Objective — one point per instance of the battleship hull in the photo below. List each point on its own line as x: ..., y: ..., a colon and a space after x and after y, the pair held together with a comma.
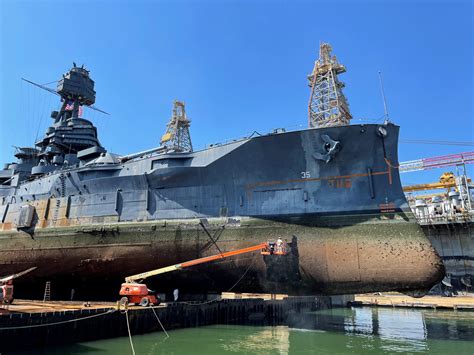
x: 333, y: 193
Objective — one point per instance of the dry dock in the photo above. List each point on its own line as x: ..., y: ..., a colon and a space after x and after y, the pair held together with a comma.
x: 54, y: 323
x: 400, y: 300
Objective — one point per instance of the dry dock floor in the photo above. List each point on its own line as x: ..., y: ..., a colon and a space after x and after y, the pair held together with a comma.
x: 400, y: 300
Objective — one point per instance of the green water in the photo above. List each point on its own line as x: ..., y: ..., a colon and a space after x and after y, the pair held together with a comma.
x: 337, y: 331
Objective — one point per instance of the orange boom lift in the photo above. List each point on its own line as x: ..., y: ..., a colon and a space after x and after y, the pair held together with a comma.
x: 6, y: 286
x: 135, y: 292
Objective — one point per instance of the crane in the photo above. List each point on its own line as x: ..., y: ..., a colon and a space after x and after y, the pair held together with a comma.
x: 133, y: 290
x: 327, y: 105
x: 177, y: 135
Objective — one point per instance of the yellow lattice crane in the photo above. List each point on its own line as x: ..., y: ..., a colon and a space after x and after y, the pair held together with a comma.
x: 327, y: 104
x: 177, y: 135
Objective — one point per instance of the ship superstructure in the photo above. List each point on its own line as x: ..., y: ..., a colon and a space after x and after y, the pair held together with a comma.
x: 332, y: 193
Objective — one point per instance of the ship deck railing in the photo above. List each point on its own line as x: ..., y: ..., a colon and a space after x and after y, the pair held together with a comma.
x: 446, y: 218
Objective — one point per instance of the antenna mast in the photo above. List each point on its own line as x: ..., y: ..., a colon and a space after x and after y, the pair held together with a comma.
x: 177, y: 135
x: 383, y: 97
x: 327, y: 104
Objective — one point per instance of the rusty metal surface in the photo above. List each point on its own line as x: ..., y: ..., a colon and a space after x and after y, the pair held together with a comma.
x: 322, y: 260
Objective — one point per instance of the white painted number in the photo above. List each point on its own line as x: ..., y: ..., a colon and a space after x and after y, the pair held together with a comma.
x: 305, y: 175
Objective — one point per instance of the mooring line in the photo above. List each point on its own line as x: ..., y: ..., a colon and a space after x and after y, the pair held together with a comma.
x: 56, y: 323
x: 129, y: 333
x: 158, y: 319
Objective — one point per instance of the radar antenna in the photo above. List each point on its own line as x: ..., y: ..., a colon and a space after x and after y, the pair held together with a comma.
x: 327, y: 104
x: 177, y: 135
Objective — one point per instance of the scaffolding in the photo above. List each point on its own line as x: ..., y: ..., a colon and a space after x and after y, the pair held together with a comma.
x: 177, y: 137
x: 327, y: 104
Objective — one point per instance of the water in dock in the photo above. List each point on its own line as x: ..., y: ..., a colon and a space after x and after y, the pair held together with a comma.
x: 335, y: 331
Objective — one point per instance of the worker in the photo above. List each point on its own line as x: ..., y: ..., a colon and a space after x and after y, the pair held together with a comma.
x: 73, y: 291
x: 279, y: 245
x: 175, y: 294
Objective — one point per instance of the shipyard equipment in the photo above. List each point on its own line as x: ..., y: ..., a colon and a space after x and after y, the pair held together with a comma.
x: 327, y: 106
x: 446, y: 181
x: 134, y: 291
x: 177, y: 137
x: 459, y: 181
x: 447, y: 216
x: 443, y: 161
x: 6, y: 286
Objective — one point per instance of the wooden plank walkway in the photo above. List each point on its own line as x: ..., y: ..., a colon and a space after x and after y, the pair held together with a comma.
x: 35, y: 306
x: 400, y: 300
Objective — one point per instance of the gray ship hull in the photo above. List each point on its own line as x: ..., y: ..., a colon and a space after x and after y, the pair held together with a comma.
x: 342, y: 211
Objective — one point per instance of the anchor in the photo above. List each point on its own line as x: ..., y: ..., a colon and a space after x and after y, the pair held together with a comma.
x: 331, y: 147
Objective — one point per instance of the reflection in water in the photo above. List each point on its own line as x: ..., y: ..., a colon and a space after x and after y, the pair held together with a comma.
x: 268, y: 340
x: 395, y: 335
x: 409, y: 335
x: 336, y: 331
x: 390, y: 330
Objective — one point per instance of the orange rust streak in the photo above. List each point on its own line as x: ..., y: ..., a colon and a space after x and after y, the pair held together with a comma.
x: 223, y: 255
x: 281, y: 182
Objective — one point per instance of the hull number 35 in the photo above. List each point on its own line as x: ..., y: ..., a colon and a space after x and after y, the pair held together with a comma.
x: 305, y: 175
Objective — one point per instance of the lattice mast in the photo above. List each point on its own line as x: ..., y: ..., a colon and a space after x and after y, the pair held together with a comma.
x: 177, y: 135
x: 327, y: 104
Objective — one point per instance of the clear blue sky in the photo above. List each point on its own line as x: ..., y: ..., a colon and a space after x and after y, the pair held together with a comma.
x: 240, y: 66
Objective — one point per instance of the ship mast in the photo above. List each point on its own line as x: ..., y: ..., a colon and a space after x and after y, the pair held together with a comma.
x: 327, y: 104
x: 177, y: 135
x: 70, y: 139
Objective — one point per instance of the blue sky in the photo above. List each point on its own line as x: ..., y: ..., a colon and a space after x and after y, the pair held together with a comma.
x: 240, y: 66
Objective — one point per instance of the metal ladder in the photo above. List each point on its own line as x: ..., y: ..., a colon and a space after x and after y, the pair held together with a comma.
x: 47, y: 292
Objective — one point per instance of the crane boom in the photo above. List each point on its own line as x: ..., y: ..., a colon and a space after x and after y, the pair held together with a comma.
x: 14, y: 276
x: 144, y: 275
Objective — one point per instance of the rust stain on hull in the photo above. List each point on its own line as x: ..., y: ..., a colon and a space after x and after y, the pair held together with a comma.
x: 364, y: 257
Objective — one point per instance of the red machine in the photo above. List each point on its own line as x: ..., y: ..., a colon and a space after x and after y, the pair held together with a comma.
x: 6, y: 286
x: 135, y: 292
